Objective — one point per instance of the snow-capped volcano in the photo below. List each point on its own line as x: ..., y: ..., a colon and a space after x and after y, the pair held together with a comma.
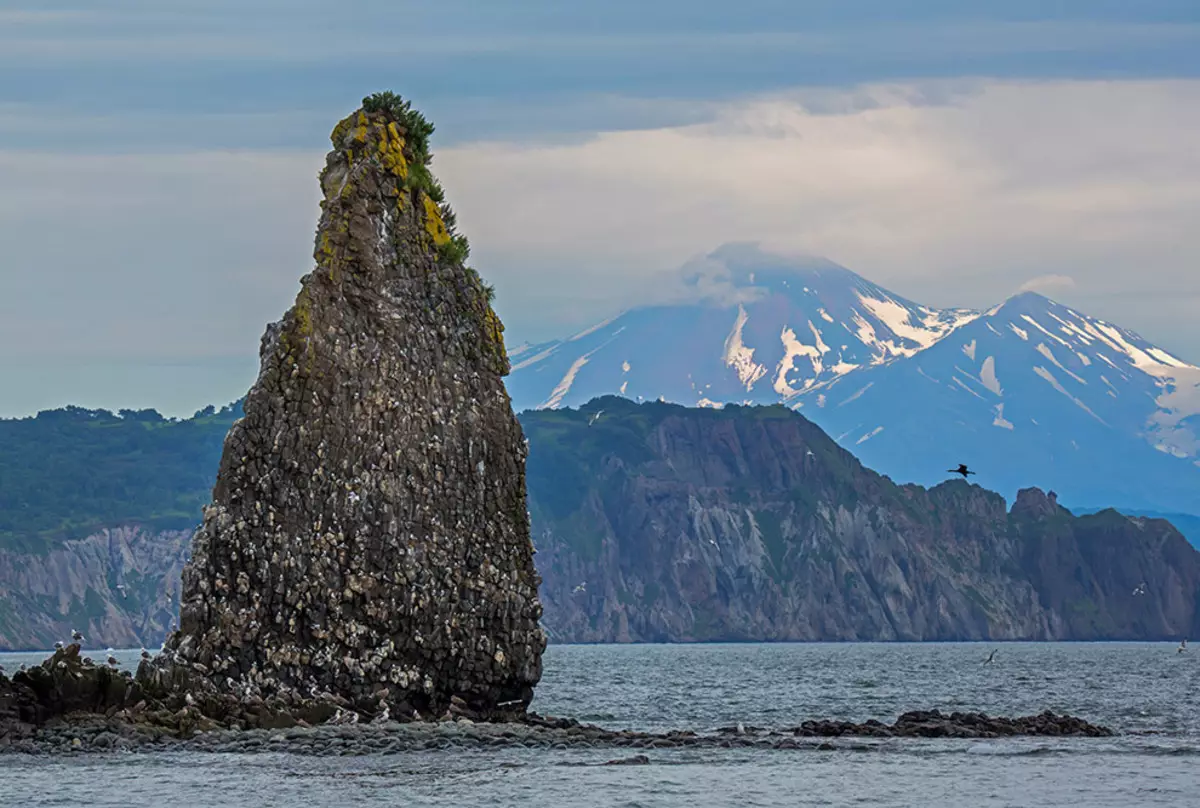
x: 764, y: 331
x: 1032, y: 392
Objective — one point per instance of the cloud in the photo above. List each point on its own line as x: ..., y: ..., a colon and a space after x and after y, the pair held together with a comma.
x: 171, y: 251
x: 943, y: 202
x: 1048, y: 284
x: 537, y: 68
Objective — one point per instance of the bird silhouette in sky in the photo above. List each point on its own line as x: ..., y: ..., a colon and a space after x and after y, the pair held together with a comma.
x: 962, y: 469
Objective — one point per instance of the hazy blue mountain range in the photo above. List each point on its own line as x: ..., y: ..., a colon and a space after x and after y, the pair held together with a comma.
x: 1030, y: 392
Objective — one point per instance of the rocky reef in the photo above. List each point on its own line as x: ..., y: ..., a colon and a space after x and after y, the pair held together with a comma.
x: 368, y: 539
x: 69, y: 704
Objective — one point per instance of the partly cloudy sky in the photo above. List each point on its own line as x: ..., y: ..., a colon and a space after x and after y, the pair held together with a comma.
x: 158, y: 161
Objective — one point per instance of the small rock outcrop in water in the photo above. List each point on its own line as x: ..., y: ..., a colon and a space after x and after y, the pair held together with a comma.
x: 368, y: 537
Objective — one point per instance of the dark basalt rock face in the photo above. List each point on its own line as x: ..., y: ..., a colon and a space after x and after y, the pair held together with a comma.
x: 368, y: 537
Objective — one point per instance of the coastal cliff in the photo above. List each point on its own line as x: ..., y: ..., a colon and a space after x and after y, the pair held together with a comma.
x: 118, y: 586
x: 656, y: 523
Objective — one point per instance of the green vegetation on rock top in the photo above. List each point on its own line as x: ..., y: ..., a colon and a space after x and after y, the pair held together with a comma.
x: 417, y: 131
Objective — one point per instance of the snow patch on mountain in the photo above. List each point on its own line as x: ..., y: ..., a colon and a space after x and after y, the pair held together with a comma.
x: 1000, y: 420
x: 564, y: 386
x: 1048, y: 376
x: 1039, y: 327
x: 793, y: 349
x: 738, y: 356
x: 592, y: 330
x: 869, y: 435
x: 1049, y: 354
x: 987, y: 376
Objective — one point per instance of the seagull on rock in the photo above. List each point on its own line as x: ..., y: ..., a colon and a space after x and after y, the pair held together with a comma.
x: 112, y: 661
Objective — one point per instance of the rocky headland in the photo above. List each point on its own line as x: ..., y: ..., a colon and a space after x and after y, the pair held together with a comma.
x: 660, y: 523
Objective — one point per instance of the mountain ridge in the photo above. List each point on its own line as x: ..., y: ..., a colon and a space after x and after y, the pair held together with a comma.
x: 1027, y: 384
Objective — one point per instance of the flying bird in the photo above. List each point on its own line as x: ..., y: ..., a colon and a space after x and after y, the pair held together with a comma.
x: 1182, y: 647
x: 76, y: 636
x: 962, y: 469
x: 1141, y: 589
x: 991, y: 656
x: 595, y: 417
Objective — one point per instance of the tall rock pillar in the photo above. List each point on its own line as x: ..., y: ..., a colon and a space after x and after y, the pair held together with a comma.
x: 368, y: 536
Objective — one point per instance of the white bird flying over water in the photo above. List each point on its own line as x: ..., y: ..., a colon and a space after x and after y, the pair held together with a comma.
x: 1182, y: 646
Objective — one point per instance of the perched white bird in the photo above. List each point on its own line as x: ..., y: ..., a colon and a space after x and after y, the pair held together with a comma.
x: 112, y: 660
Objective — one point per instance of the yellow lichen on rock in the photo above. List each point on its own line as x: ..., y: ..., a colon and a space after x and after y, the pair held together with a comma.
x: 391, y: 151
x: 338, y: 135
x: 360, y: 130
x: 304, y: 323
x: 433, y: 222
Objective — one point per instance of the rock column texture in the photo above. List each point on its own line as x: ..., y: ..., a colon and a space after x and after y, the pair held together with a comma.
x: 368, y: 536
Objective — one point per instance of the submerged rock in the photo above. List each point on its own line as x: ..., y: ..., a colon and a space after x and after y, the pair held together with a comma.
x: 368, y: 539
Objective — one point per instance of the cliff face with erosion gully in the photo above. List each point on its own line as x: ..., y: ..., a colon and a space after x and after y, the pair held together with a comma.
x: 368, y: 538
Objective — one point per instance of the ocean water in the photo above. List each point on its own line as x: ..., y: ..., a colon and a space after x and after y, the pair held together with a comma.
x: 1147, y: 692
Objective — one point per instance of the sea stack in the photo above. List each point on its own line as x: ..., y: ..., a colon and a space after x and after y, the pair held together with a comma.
x: 368, y: 537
